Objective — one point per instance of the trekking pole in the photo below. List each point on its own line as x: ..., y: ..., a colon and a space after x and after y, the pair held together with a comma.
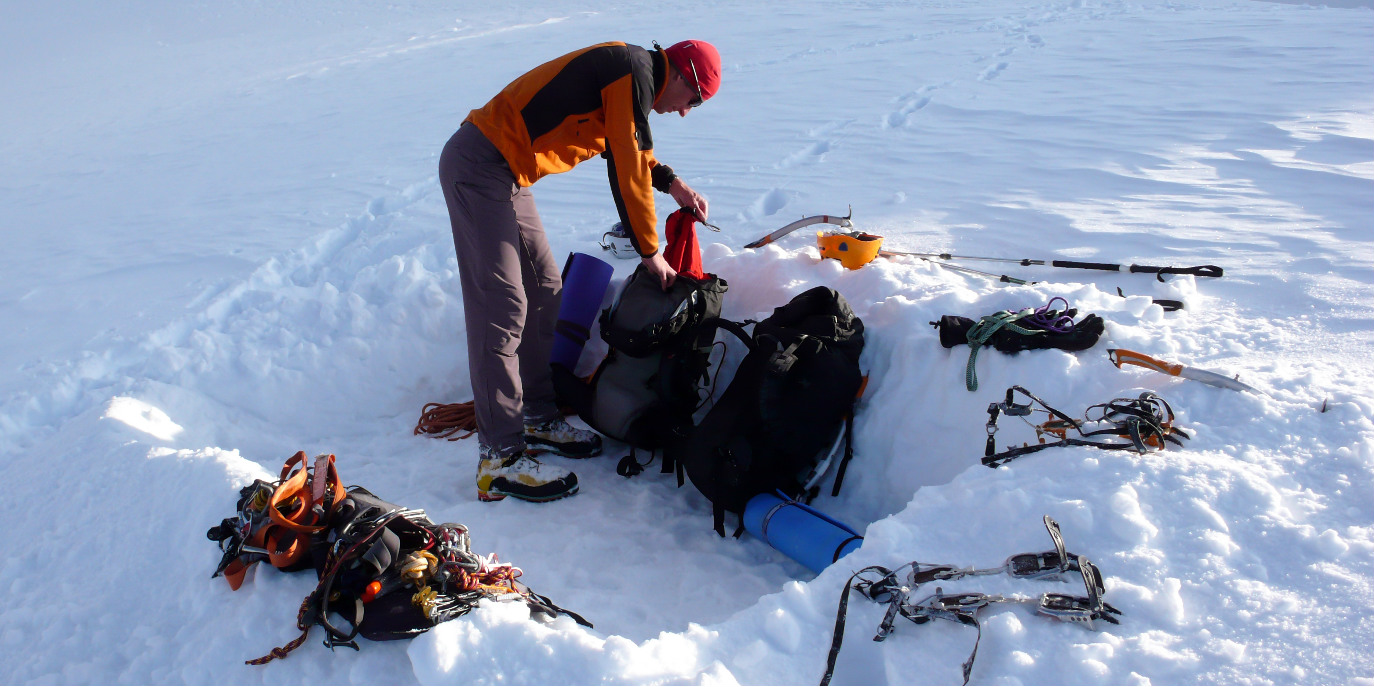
x: 959, y: 268
x: 1196, y: 271
x: 1168, y: 305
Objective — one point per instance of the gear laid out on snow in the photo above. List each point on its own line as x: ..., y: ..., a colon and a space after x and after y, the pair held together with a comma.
x: 1147, y: 421
x: 958, y: 268
x: 1211, y: 271
x: 1009, y: 332
x: 388, y: 571
x: 804, y: 222
x: 1169, y: 305
x: 782, y: 422
x: 866, y: 247
x: 276, y: 519
x: 897, y: 590
x: 444, y: 420
x: 1166, y: 304
x: 804, y: 533
x: 1121, y: 356
x: 853, y: 249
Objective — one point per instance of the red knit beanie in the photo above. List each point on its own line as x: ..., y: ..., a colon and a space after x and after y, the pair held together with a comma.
x: 701, y: 57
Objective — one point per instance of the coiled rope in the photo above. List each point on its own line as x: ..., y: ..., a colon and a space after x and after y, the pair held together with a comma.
x: 444, y: 420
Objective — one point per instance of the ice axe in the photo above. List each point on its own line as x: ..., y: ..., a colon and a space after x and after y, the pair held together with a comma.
x: 804, y: 222
x: 1121, y: 356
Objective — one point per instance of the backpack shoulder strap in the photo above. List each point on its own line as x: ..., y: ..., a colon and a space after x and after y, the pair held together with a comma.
x: 736, y: 328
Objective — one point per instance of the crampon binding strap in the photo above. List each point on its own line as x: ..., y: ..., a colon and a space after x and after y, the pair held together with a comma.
x: 897, y: 587
x: 1147, y: 421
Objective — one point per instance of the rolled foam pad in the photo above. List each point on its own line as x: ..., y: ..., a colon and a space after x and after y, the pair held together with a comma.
x: 805, y: 534
x: 585, y: 279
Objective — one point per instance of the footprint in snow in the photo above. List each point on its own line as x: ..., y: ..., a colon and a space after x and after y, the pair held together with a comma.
x: 768, y: 204
x: 992, y: 72
x: 814, y: 153
x: 910, y: 103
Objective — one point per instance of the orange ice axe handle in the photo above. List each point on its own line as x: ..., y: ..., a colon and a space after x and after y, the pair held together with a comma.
x: 1121, y: 356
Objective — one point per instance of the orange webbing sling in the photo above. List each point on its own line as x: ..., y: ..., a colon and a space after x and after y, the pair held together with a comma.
x: 301, y: 504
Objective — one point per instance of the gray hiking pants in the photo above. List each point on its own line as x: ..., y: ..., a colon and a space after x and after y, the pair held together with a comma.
x: 511, y: 288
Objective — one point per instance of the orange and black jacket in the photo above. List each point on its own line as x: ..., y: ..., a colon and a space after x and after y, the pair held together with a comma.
x: 594, y: 101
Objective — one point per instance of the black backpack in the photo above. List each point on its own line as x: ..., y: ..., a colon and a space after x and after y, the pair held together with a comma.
x: 781, y: 420
x: 647, y: 388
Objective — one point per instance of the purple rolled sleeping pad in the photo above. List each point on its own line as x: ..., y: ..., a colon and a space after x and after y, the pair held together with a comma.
x: 585, y: 279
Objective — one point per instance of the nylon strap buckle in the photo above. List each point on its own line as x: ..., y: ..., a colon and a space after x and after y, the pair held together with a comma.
x: 964, y: 607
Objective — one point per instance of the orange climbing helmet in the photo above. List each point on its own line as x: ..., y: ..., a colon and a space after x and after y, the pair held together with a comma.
x: 853, y: 249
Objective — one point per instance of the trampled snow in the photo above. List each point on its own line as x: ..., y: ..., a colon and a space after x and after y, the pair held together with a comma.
x: 225, y: 242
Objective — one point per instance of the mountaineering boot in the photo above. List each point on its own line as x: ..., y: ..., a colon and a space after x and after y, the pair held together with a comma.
x: 520, y: 475
x: 557, y: 436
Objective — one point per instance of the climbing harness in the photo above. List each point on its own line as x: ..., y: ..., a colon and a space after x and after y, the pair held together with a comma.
x: 897, y: 587
x: 1147, y: 421
x: 276, y: 519
x: 242, y: 539
x: 448, y: 578
x: 362, y: 549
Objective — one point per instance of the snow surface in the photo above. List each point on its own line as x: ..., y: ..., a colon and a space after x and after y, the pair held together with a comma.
x: 225, y: 242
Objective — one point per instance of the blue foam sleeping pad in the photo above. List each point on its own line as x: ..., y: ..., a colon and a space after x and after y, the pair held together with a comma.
x: 805, y: 534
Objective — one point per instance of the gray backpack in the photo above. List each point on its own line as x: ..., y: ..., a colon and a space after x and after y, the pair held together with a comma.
x: 651, y: 381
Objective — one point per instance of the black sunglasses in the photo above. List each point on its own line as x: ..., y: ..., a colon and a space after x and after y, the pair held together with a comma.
x: 696, y: 85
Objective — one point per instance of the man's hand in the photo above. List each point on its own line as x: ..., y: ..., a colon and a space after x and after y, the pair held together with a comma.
x: 687, y: 198
x: 658, y: 267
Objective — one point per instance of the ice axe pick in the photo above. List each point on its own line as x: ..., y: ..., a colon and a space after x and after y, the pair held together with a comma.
x: 1121, y: 356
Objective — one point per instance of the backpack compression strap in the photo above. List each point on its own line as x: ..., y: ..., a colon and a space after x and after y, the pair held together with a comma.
x: 848, y: 439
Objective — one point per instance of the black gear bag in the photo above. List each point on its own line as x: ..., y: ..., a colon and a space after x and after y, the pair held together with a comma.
x: 787, y: 410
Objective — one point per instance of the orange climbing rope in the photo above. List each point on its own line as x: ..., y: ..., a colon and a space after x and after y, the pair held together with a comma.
x: 447, y: 419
